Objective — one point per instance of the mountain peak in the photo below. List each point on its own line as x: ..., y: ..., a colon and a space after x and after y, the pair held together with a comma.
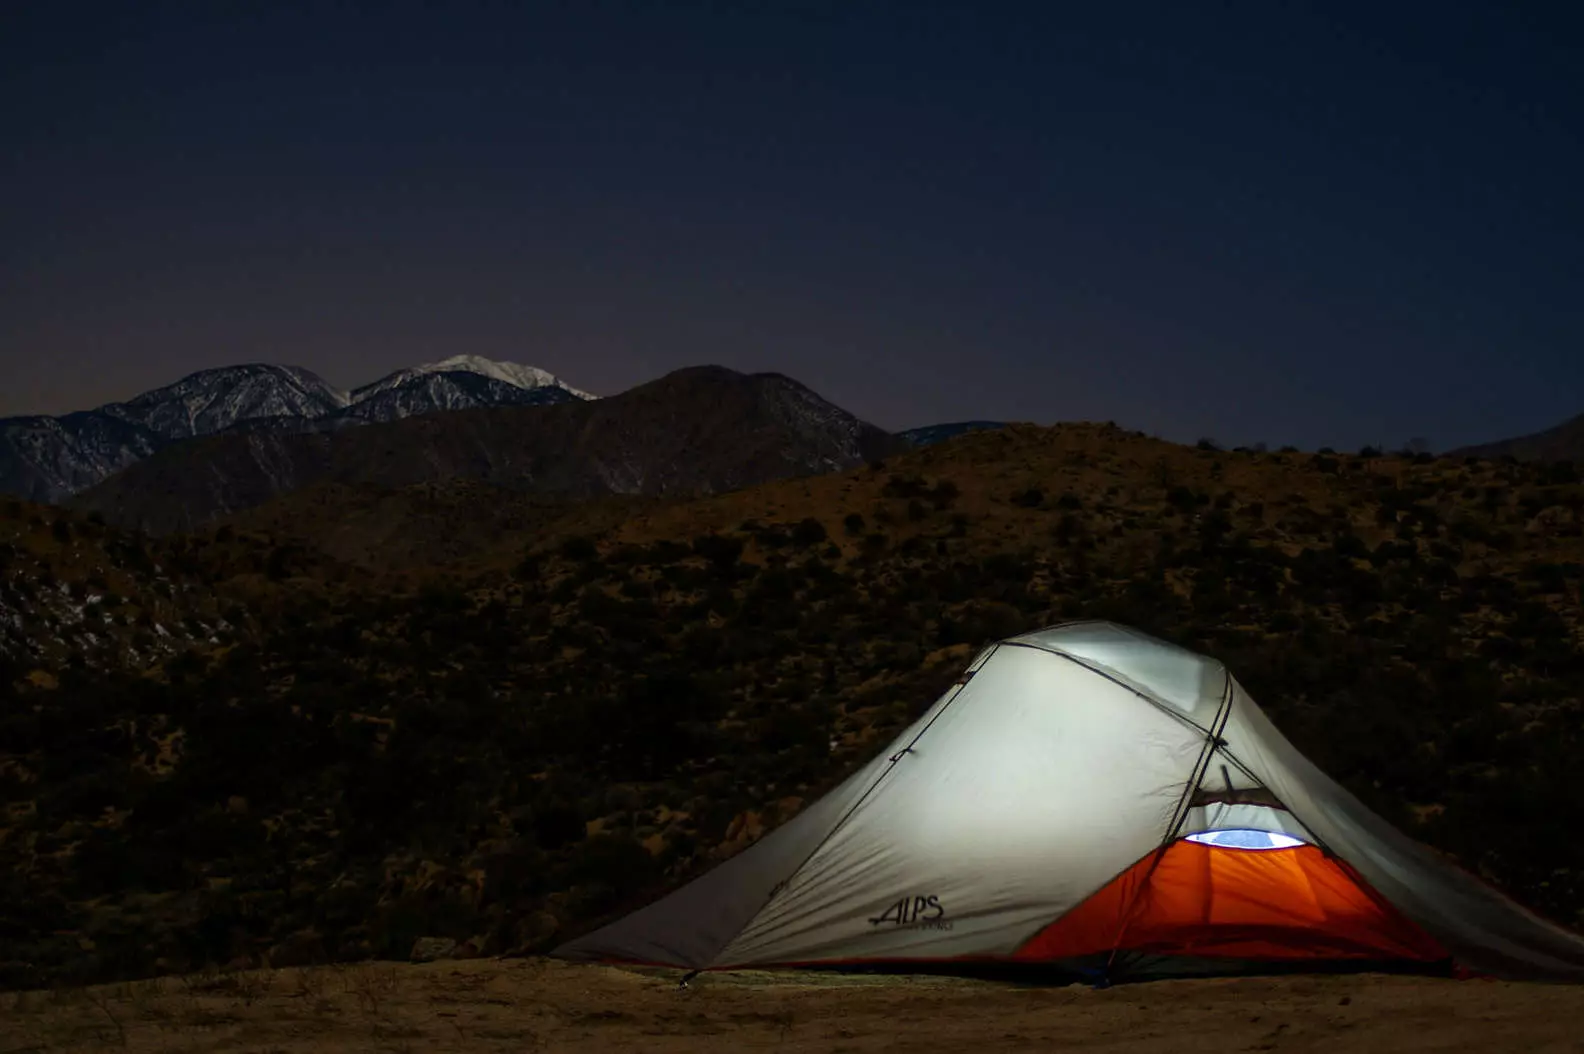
x: 210, y: 400
x: 47, y: 459
x: 515, y: 374
x: 701, y: 430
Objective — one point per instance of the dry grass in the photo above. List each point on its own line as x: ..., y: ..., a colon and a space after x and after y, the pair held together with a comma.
x: 537, y: 1005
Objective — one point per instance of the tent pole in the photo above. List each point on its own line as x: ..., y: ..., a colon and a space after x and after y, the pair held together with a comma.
x: 1184, y: 806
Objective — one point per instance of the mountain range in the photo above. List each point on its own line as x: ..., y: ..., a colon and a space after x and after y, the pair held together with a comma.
x: 49, y: 459
x: 52, y: 459
x: 698, y: 430
x: 227, y: 439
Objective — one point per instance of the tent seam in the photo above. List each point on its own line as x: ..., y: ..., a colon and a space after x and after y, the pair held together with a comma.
x: 776, y: 889
x: 1160, y: 704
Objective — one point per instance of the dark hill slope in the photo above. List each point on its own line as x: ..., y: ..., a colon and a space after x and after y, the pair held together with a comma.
x: 700, y: 430
x: 47, y: 458
x: 1564, y: 442
x: 928, y: 435
x: 78, y: 593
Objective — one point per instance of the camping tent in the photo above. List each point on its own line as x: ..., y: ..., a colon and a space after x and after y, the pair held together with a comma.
x: 1090, y: 798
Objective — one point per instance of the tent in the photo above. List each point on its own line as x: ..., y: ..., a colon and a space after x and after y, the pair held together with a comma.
x: 1089, y: 798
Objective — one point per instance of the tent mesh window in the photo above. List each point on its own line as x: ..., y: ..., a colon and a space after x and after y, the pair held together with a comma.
x: 1244, y: 838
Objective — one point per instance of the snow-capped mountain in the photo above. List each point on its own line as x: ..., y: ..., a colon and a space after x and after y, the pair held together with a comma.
x: 425, y: 392
x: 704, y: 429
x: 51, y: 458
x: 211, y: 401
x: 47, y: 458
x: 510, y: 373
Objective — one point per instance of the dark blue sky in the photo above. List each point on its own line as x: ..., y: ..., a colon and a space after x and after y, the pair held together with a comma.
x: 1312, y: 223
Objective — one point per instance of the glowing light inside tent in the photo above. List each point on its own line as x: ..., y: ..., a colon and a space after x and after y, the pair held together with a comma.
x: 1244, y: 838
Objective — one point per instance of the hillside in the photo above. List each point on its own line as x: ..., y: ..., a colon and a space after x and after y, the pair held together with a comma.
x: 931, y: 434
x: 74, y: 592
x: 1564, y: 442
x: 697, y: 430
x: 411, y: 531
x: 559, y: 717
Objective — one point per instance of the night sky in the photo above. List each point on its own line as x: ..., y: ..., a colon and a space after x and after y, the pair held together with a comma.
x: 1292, y: 223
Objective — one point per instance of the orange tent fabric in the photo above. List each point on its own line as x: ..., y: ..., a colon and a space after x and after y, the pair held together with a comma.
x: 1202, y: 900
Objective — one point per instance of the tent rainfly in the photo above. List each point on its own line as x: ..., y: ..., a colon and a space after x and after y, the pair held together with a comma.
x: 1089, y: 798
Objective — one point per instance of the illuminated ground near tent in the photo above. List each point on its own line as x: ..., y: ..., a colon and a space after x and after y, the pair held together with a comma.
x: 545, y: 1005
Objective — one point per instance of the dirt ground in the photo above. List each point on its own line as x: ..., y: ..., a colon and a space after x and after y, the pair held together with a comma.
x: 537, y: 1005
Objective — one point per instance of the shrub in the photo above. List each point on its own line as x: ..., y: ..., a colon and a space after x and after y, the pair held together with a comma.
x: 808, y: 532
x: 1559, y: 473
x: 557, y: 824
x: 529, y: 568
x: 944, y: 493
x: 613, y: 868
x: 1350, y: 545
x: 904, y: 487
x: 721, y: 550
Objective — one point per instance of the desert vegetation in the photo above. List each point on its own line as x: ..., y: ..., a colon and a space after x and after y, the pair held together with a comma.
x: 509, y: 740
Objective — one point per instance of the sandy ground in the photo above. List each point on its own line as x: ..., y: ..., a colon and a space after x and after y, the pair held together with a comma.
x: 535, y: 1005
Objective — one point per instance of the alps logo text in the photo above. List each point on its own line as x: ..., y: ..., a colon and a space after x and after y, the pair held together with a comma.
x: 914, y: 913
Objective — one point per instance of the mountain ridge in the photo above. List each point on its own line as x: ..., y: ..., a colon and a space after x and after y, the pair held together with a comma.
x: 512, y: 373
x: 928, y: 435
x: 48, y: 459
x: 1562, y: 442
x: 697, y: 430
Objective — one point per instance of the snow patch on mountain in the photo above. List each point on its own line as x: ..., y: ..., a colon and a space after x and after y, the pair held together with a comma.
x: 451, y: 390
x: 208, y: 401
x: 513, y: 373
x: 51, y: 458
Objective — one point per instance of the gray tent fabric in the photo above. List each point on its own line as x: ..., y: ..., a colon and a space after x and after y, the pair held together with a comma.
x: 1060, y: 760
x: 979, y: 822
x: 691, y: 926
x: 1484, y: 930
